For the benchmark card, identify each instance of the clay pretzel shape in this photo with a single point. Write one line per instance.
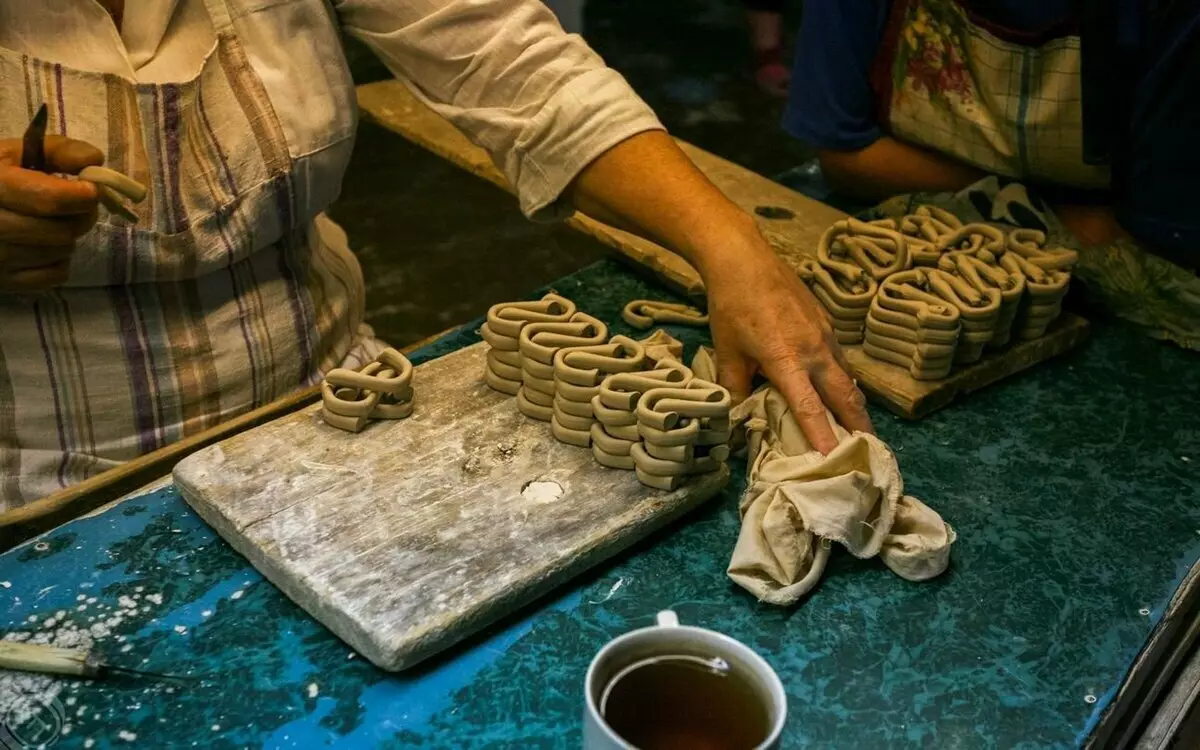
(508, 318)
(979, 311)
(878, 251)
(1030, 245)
(645, 313)
(905, 293)
(540, 341)
(662, 408)
(623, 390)
(587, 365)
(972, 238)
(397, 384)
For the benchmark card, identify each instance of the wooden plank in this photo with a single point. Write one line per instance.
(29, 520)
(895, 389)
(794, 232)
(414, 534)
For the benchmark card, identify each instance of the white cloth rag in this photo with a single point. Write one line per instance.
(798, 501)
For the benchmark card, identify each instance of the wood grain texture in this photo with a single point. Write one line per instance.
(414, 534)
(794, 237)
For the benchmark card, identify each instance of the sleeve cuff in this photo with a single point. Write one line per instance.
(586, 117)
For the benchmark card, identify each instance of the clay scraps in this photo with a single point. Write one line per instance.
(380, 390)
(643, 314)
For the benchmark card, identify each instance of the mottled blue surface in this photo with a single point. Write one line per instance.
(1073, 489)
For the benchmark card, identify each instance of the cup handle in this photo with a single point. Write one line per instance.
(667, 619)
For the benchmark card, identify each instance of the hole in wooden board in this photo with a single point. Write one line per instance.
(777, 213)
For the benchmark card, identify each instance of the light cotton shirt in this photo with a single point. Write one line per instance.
(239, 114)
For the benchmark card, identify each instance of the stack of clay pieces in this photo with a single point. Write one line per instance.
(538, 344)
(985, 275)
(1047, 276)
(911, 326)
(502, 332)
(846, 297)
(683, 431)
(578, 372)
(979, 311)
(616, 429)
(852, 258)
(380, 390)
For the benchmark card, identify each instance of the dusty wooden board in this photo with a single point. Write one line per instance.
(412, 535)
(795, 237)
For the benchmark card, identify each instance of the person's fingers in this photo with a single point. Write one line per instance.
(844, 399)
(20, 229)
(797, 388)
(36, 279)
(736, 374)
(33, 193)
(20, 257)
(69, 155)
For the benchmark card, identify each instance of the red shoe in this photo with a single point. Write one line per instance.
(771, 75)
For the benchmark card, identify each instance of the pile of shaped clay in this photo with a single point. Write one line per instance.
(1000, 286)
(502, 332)
(538, 344)
(380, 390)
(909, 325)
(615, 406)
(852, 258)
(578, 372)
(684, 431)
(1047, 276)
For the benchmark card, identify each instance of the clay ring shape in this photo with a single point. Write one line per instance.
(683, 435)
(644, 313)
(587, 365)
(609, 460)
(610, 416)
(115, 181)
(657, 466)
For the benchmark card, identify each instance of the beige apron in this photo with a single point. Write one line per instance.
(224, 296)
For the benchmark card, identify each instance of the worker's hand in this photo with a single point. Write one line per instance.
(764, 319)
(41, 215)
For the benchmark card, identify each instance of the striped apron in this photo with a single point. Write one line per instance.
(229, 292)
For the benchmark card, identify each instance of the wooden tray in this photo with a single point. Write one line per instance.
(414, 534)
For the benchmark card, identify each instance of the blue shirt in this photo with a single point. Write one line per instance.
(1156, 166)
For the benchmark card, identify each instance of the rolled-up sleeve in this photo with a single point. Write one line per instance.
(540, 101)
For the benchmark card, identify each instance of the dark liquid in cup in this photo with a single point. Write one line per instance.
(685, 703)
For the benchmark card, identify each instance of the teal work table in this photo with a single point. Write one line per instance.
(1073, 489)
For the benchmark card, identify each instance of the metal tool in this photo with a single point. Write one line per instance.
(33, 148)
(31, 657)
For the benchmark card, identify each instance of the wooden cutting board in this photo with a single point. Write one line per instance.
(412, 535)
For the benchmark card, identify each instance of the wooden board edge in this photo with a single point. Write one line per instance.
(919, 399)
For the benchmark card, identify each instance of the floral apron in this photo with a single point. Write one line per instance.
(224, 296)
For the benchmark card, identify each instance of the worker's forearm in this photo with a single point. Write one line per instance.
(648, 186)
(890, 167)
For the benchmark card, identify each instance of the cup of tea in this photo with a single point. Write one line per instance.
(674, 686)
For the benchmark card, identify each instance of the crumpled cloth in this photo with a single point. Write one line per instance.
(798, 502)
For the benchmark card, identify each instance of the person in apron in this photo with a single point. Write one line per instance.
(1089, 105)
(233, 288)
